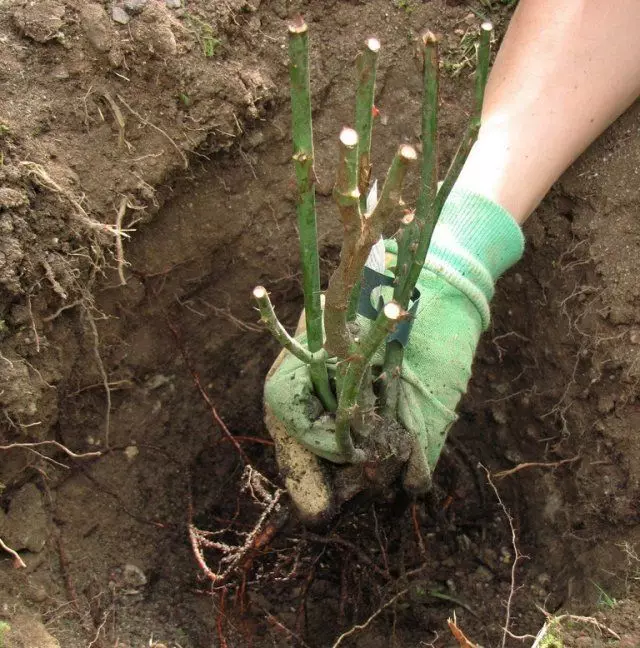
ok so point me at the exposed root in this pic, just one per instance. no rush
(362, 626)
(533, 464)
(557, 620)
(517, 556)
(39, 173)
(55, 284)
(117, 113)
(29, 446)
(146, 122)
(240, 555)
(18, 563)
(119, 249)
(103, 373)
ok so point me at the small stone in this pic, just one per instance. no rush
(634, 338)
(131, 452)
(606, 403)
(173, 4)
(134, 7)
(499, 414)
(119, 15)
(61, 73)
(133, 576)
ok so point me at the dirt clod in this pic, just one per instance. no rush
(25, 526)
(41, 21)
(97, 27)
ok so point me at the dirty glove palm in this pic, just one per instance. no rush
(474, 242)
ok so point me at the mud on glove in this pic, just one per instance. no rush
(474, 242)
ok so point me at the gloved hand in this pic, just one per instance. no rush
(474, 242)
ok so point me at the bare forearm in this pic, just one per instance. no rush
(564, 72)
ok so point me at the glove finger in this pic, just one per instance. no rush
(417, 476)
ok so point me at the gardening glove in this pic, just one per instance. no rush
(474, 242)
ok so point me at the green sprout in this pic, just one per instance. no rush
(204, 34)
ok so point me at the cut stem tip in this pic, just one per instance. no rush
(348, 137)
(429, 38)
(393, 311)
(259, 292)
(408, 153)
(297, 25)
(487, 26)
(373, 44)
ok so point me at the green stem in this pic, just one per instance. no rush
(366, 64)
(413, 247)
(390, 204)
(269, 318)
(358, 364)
(416, 236)
(482, 67)
(347, 198)
(471, 134)
(306, 206)
(366, 67)
(357, 243)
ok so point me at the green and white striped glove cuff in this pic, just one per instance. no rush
(474, 242)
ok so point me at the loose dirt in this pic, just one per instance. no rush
(149, 141)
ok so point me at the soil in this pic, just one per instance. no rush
(157, 152)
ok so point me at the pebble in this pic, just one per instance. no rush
(173, 4)
(61, 73)
(133, 576)
(119, 15)
(134, 7)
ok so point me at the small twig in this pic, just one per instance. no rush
(533, 464)
(278, 624)
(516, 558)
(18, 563)
(269, 318)
(362, 626)
(146, 122)
(366, 63)
(461, 638)
(119, 249)
(118, 116)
